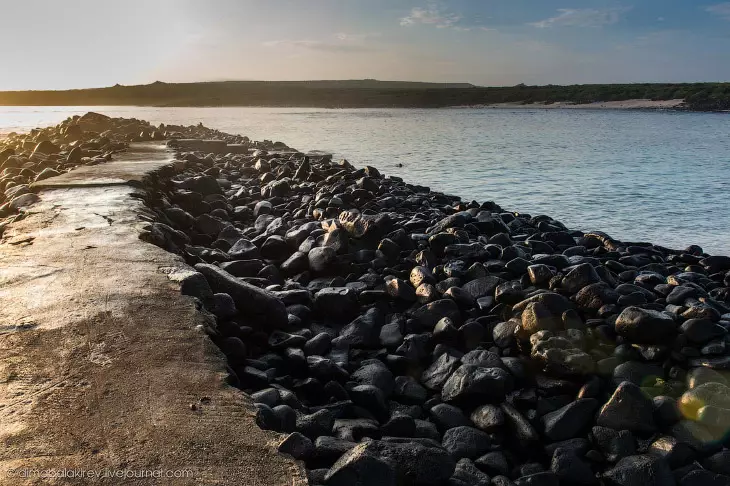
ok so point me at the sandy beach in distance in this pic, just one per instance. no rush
(639, 104)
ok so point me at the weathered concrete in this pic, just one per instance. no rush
(103, 365)
(130, 168)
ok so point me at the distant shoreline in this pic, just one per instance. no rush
(386, 94)
(634, 104)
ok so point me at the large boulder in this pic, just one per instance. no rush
(409, 463)
(257, 304)
(629, 408)
(641, 470)
(474, 384)
(644, 326)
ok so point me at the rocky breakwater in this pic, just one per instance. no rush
(90, 139)
(400, 336)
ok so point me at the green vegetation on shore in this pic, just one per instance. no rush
(368, 93)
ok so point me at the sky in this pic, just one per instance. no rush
(49, 44)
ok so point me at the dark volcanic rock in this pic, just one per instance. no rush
(336, 302)
(467, 474)
(255, 303)
(644, 326)
(489, 418)
(567, 422)
(407, 463)
(629, 408)
(428, 315)
(466, 442)
(322, 259)
(571, 469)
(641, 470)
(473, 384)
(436, 375)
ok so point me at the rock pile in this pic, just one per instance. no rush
(80, 140)
(400, 336)
(403, 337)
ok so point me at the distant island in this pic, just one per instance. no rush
(370, 93)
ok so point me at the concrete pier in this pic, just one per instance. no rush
(105, 374)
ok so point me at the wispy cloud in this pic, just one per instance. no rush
(343, 36)
(432, 15)
(583, 17)
(721, 9)
(317, 45)
(342, 42)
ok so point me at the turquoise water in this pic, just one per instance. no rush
(662, 177)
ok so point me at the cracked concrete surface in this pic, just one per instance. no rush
(102, 365)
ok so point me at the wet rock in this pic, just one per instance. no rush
(467, 474)
(644, 325)
(472, 384)
(447, 416)
(365, 226)
(674, 452)
(297, 446)
(595, 296)
(640, 470)
(399, 289)
(628, 408)
(466, 442)
(420, 275)
(243, 249)
(521, 431)
(700, 331)
(494, 463)
(482, 287)
(579, 277)
(358, 467)
(428, 315)
(537, 317)
(411, 463)
(322, 259)
(614, 444)
(22, 201)
(569, 421)
(408, 390)
(561, 355)
(255, 303)
(570, 468)
(436, 375)
(336, 302)
(364, 331)
(488, 418)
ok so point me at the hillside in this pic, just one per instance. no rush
(367, 93)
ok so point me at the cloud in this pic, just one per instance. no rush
(342, 42)
(722, 10)
(583, 17)
(431, 15)
(318, 45)
(356, 37)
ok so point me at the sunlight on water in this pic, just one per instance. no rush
(643, 176)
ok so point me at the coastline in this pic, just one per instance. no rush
(365, 93)
(635, 104)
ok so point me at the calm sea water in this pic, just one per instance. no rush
(662, 177)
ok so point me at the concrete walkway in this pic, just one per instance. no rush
(105, 377)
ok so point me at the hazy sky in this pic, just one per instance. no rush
(50, 44)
